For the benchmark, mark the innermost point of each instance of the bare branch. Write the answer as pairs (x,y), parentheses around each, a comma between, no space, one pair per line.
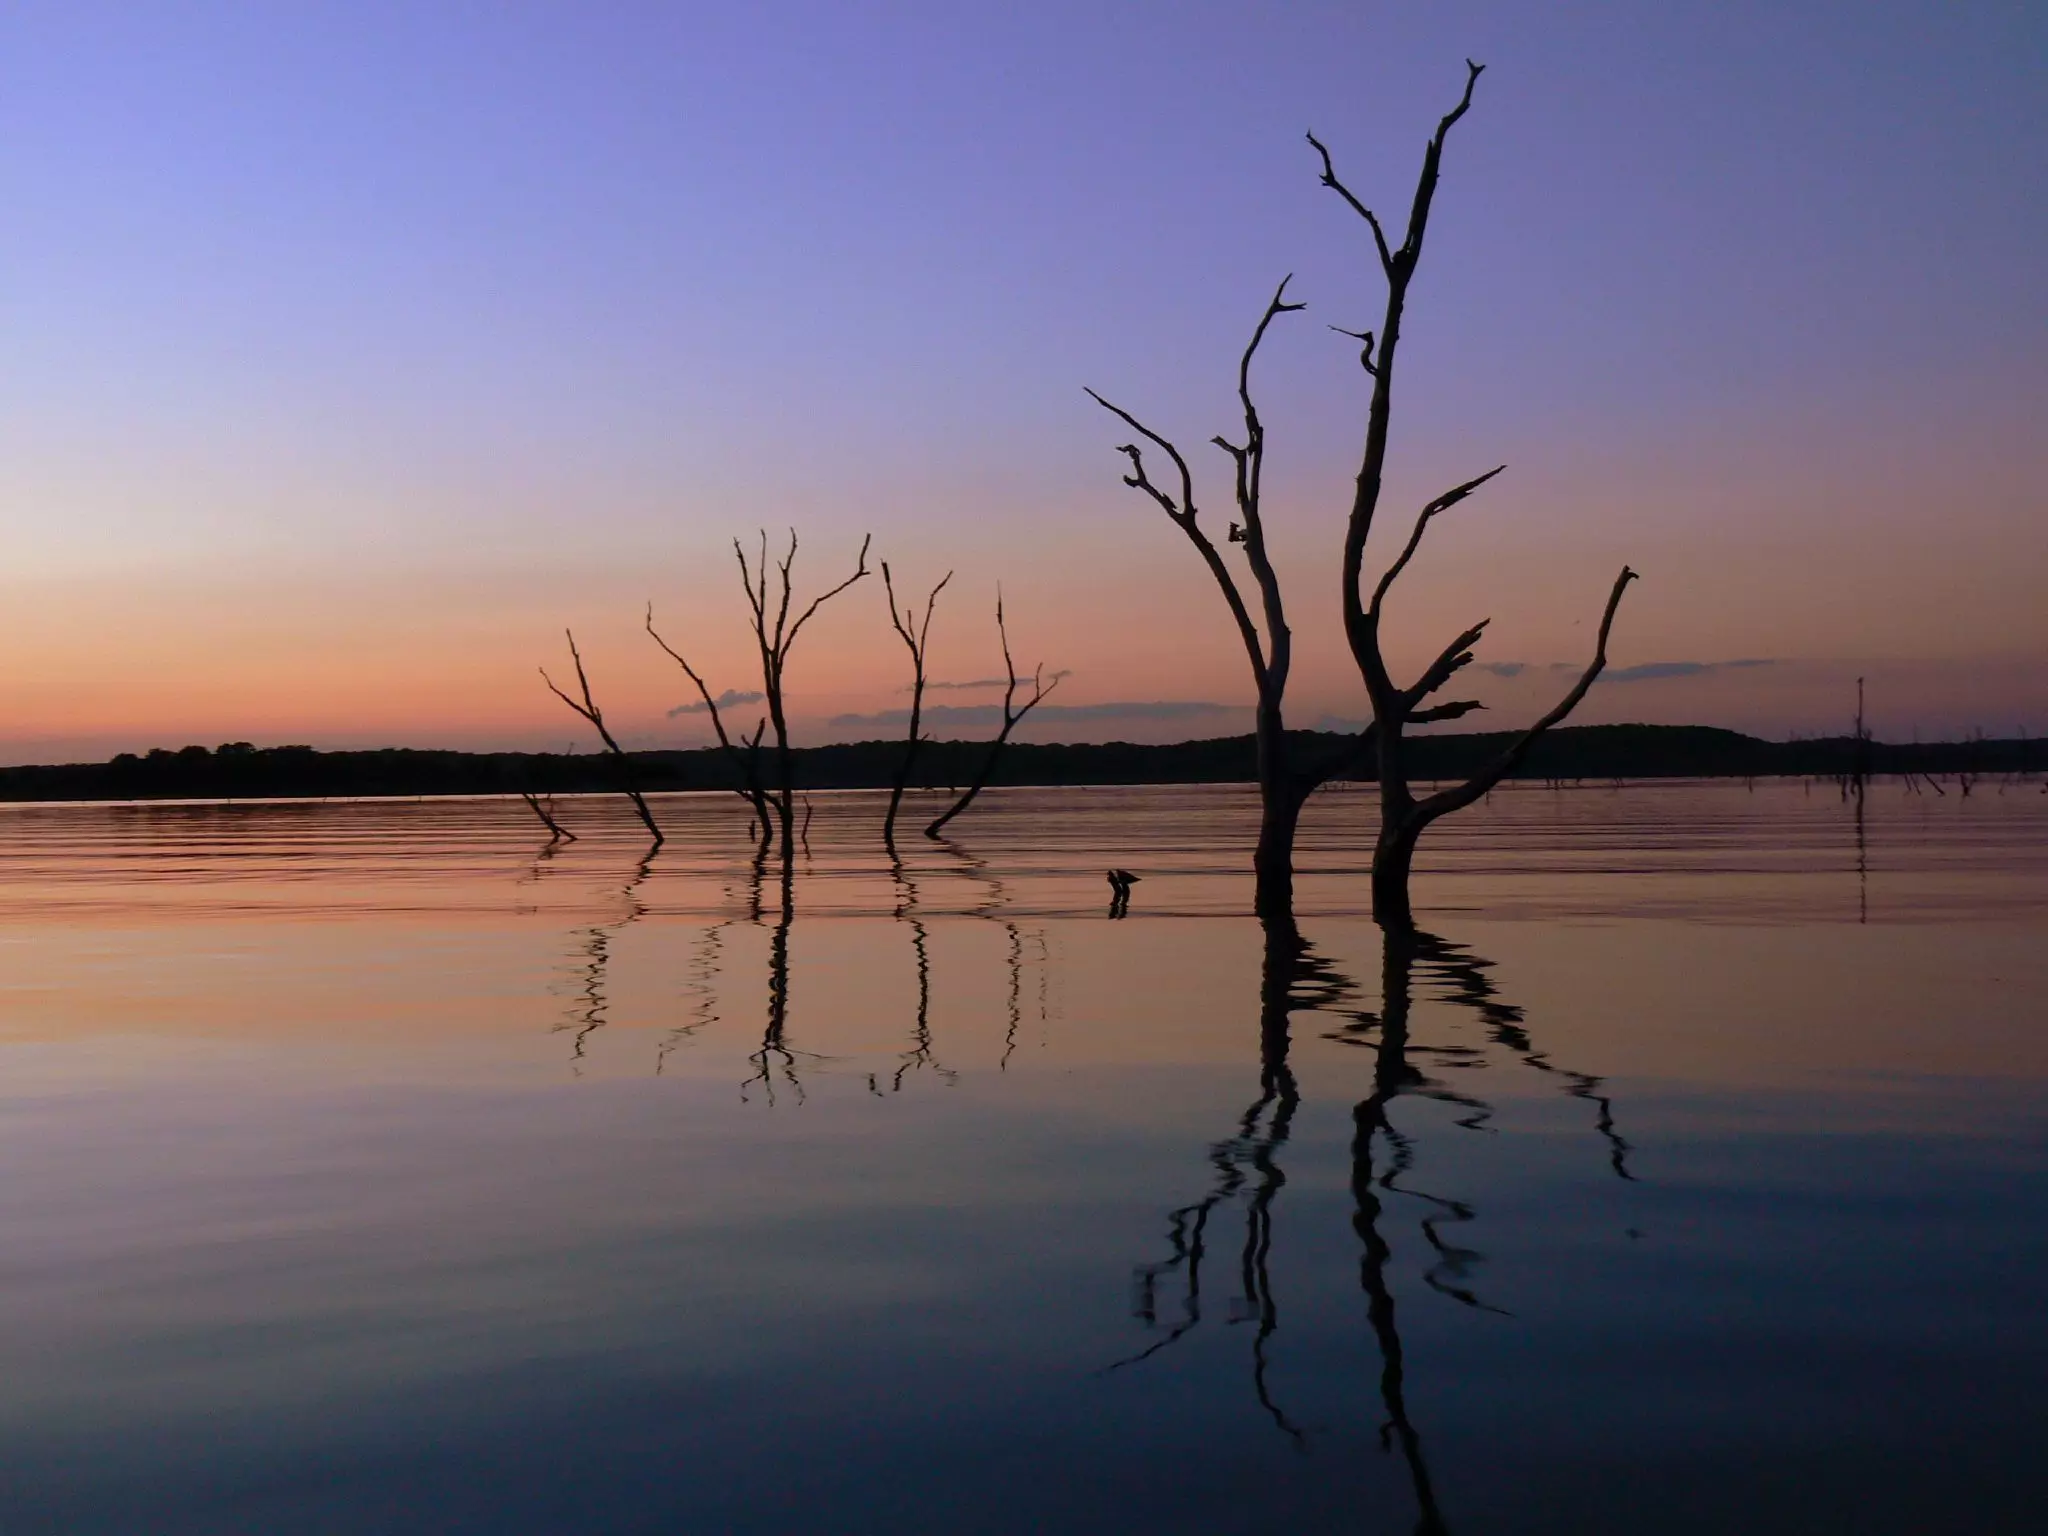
(1437,712)
(1184,517)
(588,710)
(1364,358)
(1379,236)
(820,602)
(1443,503)
(1041,689)
(1446,801)
(750,779)
(915,639)
(1432,158)
(1184,514)
(1453,657)
(545,811)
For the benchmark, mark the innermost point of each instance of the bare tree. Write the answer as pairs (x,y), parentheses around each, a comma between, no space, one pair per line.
(588,710)
(1285,782)
(545,810)
(914,639)
(1013,716)
(774,633)
(1403,815)
(748,764)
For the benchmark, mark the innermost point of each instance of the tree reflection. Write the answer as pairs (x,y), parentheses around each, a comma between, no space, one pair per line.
(591,1010)
(775,1063)
(1247,1171)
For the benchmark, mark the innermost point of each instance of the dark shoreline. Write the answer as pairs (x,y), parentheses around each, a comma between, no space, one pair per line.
(1591,752)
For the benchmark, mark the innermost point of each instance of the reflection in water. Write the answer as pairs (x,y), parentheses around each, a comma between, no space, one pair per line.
(881,1291)
(919,1057)
(776,1059)
(1247,1165)
(593,1003)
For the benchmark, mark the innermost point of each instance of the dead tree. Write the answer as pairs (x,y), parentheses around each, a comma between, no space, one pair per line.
(1013,716)
(914,639)
(545,810)
(1403,815)
(774,634)
(1285,783)
(588,710)
(747,764)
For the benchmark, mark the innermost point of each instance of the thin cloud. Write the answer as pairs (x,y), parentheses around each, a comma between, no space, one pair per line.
(1651,671)
(726,700)
(992,714)
(984,682)
(1501,668)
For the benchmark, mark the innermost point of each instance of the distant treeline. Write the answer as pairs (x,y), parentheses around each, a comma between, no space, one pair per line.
(238,770)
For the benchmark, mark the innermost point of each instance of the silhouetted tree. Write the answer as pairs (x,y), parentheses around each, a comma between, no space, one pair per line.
(588,710)
(1284,783)
(545,810)
(1013,716)
(914,639)
(748,763)
(774,633)
(1404,816)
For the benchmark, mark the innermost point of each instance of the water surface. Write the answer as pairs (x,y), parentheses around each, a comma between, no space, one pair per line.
(374,1167)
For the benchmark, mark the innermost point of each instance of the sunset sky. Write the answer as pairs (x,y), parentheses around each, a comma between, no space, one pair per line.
(349,352)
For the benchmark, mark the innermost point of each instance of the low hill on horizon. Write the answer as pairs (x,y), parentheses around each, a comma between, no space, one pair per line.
(238,770)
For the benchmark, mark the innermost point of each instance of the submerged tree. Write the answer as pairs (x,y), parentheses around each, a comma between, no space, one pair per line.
(588,709)
(1284,783)
(1013,716)
(775,633)
(748,763)
(915,638)
(1403,815)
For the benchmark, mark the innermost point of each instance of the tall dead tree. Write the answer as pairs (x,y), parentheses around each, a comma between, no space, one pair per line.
(914,638)
(1403,815)
(1013,716)
(1285,783)
(588,710)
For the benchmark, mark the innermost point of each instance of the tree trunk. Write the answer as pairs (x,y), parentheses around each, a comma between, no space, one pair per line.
(1280,802)
(1392,858)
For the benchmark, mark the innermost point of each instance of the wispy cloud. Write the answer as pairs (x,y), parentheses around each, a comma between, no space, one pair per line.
(726,700)
(1651,671)
(984,682)
(940,715)
(1644,672)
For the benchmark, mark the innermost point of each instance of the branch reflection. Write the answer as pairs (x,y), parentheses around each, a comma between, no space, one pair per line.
(1246,1167)
(590,1012)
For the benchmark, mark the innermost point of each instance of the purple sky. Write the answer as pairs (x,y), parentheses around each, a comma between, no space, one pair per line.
(350,351)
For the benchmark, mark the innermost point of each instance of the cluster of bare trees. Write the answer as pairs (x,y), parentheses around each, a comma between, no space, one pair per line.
(775,619)
(1287,772)
(1285,782)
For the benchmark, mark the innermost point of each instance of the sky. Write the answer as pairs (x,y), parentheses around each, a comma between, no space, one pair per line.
(350,353)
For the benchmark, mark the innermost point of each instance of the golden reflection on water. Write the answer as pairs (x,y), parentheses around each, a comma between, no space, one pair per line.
(1705,931)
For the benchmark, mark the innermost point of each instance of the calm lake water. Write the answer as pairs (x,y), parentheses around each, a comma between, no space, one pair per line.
(371,1168)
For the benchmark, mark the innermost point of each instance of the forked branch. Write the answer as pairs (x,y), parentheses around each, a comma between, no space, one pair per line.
(1013,716)
(1443,503)
(1446,801)
(589,711)
(915,638)
(748,766)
